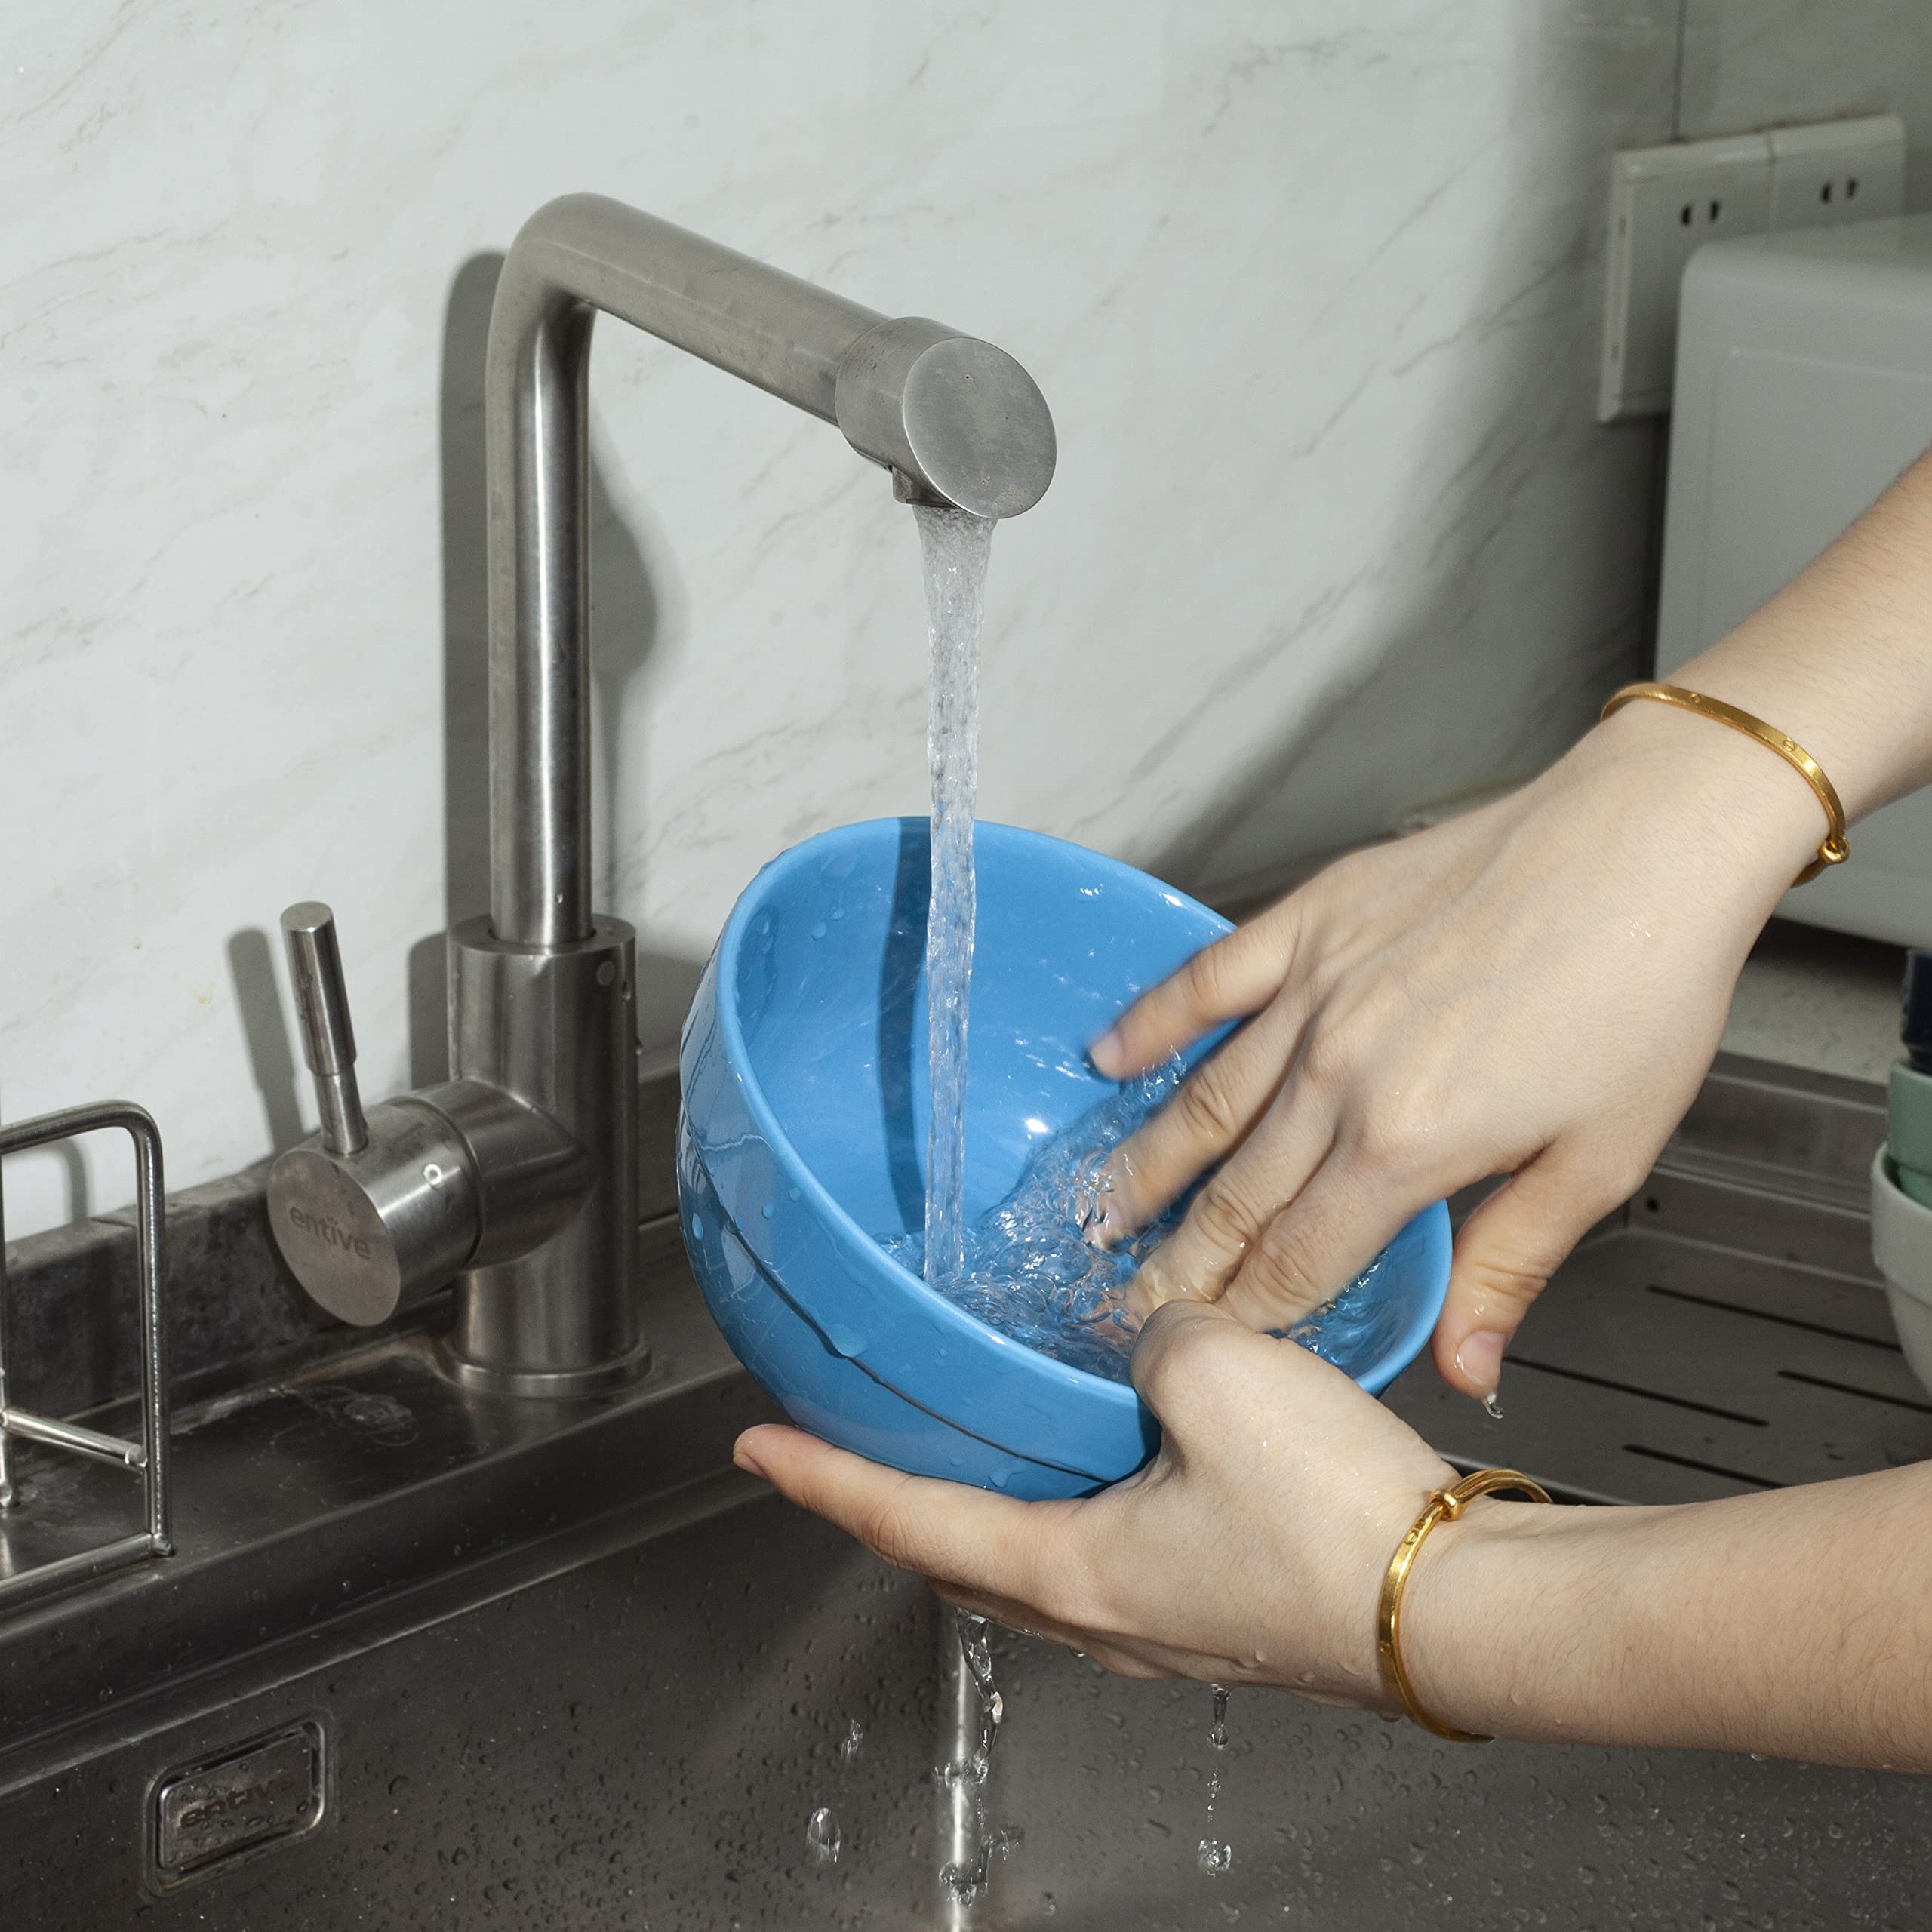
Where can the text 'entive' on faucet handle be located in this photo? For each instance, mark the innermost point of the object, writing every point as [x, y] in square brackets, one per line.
[328, 1040]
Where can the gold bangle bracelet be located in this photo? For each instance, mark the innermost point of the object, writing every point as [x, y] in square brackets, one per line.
[1835, 849]
[1444, 1506]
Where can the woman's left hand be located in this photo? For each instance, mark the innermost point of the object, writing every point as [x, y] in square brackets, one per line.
[1250, 1549]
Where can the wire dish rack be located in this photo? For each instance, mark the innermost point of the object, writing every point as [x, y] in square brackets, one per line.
[146, 1459]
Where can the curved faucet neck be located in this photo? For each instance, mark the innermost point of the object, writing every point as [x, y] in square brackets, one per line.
[960, 421]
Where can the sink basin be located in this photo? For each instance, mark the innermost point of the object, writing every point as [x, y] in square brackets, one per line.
[641, 1742]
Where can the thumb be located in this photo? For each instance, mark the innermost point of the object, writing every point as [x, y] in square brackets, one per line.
[1505, 1252]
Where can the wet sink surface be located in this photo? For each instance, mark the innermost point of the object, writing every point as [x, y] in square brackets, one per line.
[570, 1671]
[641, 1741]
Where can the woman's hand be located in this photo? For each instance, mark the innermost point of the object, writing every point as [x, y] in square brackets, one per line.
[1250, 1550]
[1535, 990]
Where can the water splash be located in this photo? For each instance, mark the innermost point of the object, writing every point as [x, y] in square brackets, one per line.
[956, 547]
[964, 1876]
[1028, 1269]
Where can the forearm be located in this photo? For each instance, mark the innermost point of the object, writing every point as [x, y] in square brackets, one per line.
[1841, 659]
[1797, 1624]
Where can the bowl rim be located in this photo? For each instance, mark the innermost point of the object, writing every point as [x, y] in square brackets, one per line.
[1121, 1396]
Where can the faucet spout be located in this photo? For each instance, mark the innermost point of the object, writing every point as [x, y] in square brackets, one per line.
[957, 420]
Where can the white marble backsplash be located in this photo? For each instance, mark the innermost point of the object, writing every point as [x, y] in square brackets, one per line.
[1312, 289]
[1753, 64]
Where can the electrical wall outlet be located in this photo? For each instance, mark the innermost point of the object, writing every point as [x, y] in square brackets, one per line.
[1837, 171]
[1666, 202]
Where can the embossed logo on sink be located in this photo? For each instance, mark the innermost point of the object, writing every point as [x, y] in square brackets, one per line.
[265, 1791]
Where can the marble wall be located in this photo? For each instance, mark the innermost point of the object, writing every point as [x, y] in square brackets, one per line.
[1312, 287]
[1751, 64]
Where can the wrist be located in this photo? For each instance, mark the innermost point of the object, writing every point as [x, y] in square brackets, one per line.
[1471, 1614]
[1727, 810]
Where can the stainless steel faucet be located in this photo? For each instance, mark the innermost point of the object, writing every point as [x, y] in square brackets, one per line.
[517, 1176]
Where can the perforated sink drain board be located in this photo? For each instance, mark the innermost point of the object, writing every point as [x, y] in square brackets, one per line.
[1724, 1335]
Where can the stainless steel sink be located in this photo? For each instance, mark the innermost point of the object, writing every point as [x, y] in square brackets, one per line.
[640, 1742]
[427, 1660]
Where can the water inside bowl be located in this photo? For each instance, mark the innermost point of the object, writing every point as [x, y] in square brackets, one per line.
[830, 999]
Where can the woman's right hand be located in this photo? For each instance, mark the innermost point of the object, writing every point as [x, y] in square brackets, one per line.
[1533, 991]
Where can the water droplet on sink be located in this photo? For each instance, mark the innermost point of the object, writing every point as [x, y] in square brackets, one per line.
[823, 1839]
[818, 929]
[768, 1210]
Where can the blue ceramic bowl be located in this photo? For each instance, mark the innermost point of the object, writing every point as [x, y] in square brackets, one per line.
[803, 1134]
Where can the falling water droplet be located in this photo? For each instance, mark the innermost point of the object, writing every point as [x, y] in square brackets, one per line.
[1492, 1407]
[848, 1746]
[1214, 1856]
[823, 1836]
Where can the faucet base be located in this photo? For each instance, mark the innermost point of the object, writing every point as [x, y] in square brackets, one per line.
[561, 1385]
[554, 1028]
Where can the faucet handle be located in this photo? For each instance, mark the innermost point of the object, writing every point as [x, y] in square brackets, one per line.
[328, 1040]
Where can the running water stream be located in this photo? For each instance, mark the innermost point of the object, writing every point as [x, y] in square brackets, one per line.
[969, 1843]
[1215, 1856]
[1028, 1267]
[956, 547]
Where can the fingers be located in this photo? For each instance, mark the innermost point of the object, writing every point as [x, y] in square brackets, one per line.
[1212, 1112]
[1203, 1254]
[1506, 1252]
[1228, 980]
[943, 1530]
[1317, 1244]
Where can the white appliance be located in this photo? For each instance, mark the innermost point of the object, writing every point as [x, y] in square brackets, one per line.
[1804, 387]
